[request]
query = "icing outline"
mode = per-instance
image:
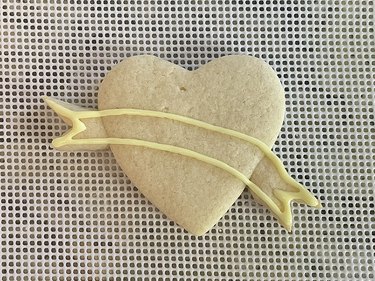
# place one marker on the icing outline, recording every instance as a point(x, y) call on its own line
point(283, 214)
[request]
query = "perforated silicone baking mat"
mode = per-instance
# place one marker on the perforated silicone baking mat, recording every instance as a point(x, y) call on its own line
point(76, 216)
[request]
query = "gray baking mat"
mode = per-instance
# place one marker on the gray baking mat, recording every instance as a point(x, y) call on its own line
point(75, 216)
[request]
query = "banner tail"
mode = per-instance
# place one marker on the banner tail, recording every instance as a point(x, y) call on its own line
point(81, 129)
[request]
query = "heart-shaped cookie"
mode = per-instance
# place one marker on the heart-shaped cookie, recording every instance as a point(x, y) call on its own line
point(236, 92)
point(190, 140)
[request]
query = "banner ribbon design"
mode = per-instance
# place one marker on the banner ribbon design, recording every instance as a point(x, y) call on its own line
point(283, 212)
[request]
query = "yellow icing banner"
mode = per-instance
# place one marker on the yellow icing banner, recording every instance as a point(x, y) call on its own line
point(283, 213)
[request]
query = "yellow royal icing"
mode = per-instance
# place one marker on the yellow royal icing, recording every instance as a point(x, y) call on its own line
point(284, 213)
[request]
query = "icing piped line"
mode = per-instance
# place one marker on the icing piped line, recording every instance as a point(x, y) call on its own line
point(283, 214)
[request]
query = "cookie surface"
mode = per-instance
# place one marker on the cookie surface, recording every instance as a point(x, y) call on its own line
point(237, 92)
